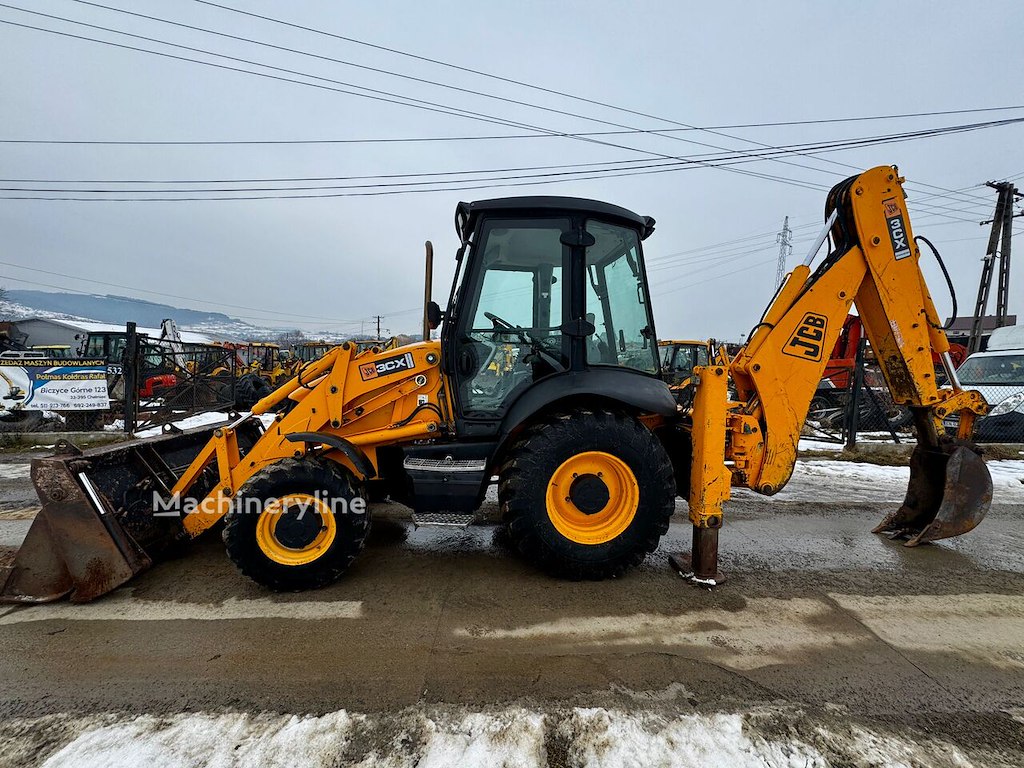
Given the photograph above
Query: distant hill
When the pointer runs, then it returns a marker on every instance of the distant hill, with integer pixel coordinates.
(117, 309)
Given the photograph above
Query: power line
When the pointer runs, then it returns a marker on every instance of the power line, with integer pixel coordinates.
(415, 102)
(656, 167)
(415, 139)
(502, 79)
(722, 255)
(533, 86)
(411, 77)
(384, 97)
(344, 62)
(701, 158)
(685, 286)
(408, 101)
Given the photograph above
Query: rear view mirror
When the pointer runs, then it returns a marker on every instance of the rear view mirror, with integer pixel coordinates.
(434, 315)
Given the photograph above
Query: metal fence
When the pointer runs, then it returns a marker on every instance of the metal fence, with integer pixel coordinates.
(170, 381)
(864, 404)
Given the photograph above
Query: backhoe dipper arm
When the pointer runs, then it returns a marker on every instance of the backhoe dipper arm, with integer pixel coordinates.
(874, 264)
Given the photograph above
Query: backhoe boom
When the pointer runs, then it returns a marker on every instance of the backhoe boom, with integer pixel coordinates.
(874, 265)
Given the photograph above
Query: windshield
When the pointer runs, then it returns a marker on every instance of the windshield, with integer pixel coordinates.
(666, 356)
(997, 369)
(683, 357)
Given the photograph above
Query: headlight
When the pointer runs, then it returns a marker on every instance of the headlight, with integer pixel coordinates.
(1012, 403)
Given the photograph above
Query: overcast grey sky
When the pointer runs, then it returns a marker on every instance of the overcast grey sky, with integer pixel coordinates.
(348, 258)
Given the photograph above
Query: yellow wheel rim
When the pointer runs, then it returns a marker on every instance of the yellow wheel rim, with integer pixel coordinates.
(584, 480)
(288, 546)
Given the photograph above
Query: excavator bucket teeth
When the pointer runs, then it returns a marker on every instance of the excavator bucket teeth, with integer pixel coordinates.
(99, 525)
(950, 493)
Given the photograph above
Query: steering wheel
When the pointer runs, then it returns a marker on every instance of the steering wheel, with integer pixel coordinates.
(537, 345)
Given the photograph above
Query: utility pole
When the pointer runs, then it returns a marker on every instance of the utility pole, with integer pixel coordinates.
(378, 325)
(785, 240)
(1000, 240)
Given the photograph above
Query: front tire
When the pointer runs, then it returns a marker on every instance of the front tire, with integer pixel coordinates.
(587, 496)
(294, 525)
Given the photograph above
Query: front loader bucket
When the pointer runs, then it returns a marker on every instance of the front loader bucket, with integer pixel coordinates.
(950, 492)
(72, 548)
(99, 524)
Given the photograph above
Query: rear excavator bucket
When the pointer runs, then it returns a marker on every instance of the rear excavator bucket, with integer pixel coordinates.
(100, 523)
(950, 492)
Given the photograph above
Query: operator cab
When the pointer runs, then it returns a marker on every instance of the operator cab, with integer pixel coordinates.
(551, 287)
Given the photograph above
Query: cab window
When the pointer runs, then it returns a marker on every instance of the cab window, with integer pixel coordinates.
(616, 300)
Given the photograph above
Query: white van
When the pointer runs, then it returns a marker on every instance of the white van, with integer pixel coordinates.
(999, 375)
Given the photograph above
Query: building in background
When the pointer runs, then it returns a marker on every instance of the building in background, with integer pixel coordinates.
(45, 331)
(960, 331)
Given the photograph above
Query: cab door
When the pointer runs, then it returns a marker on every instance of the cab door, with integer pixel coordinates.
(509, 330)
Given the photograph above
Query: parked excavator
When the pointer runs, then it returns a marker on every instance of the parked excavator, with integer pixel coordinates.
(588, 443)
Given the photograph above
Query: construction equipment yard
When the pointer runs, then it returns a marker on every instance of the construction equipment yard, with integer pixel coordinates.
(438, 648)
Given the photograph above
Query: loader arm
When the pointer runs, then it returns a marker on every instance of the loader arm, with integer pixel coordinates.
(108, 514)
(752, 442)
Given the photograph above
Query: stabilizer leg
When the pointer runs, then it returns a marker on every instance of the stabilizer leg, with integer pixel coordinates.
(710, 478)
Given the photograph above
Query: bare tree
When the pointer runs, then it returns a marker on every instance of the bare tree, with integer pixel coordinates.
(290, 338)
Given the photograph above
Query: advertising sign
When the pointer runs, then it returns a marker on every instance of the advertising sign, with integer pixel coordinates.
(53, 385)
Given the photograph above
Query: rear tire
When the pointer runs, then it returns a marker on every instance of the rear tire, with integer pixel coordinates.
(298, 543)
(587, 496)
(250, 389)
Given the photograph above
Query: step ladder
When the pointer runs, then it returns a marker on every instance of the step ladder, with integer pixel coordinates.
(443, 519)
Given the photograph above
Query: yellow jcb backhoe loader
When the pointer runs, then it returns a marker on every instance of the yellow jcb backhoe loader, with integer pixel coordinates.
(589, 445)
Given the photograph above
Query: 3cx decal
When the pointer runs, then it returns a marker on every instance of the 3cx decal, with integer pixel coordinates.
(387, 366)
(897, 228)
(808, 338)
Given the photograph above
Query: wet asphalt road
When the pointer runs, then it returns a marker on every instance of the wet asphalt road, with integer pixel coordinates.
(818, 614)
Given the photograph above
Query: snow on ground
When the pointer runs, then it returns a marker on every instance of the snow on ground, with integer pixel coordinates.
(812, 444)
(856, 481)
(583, 736)
(199, 420)
(14, 471)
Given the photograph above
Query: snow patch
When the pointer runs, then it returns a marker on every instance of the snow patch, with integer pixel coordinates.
(14, 471)
(199, 420)
(197, 740)
(860, 482)
(506, 740)
(601, 738)
(511, 738)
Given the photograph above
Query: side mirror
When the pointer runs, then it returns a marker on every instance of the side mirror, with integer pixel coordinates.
(434, 315)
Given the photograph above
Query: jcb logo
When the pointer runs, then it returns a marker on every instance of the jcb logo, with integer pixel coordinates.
(808, 338)
(387, 366)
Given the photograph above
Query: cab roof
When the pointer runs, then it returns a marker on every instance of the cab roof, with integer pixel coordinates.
(546, 205)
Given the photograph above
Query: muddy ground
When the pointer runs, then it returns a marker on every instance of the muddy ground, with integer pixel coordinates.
(821, 624)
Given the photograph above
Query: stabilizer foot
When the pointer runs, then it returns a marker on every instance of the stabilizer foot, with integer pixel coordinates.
(682, 563)
(700, 565)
